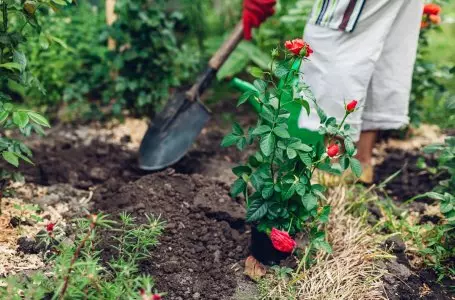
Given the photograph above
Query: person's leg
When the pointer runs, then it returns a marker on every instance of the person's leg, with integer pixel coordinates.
(342, 65)
(389, 90)
(365, 146)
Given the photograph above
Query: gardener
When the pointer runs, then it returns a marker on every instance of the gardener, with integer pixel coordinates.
(364, 50)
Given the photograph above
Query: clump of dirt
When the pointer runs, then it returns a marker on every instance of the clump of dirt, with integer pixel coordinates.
(205, 239)
(412, 180)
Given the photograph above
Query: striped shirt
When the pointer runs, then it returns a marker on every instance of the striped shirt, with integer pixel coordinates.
(337, 14)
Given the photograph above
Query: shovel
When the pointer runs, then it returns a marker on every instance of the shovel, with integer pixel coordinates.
(179, 123)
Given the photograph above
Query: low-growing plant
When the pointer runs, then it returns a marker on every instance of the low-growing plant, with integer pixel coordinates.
(284, 196)
(78, 270)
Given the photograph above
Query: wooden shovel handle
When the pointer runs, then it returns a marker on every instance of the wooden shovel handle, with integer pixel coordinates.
(222, 54)
(217, 60)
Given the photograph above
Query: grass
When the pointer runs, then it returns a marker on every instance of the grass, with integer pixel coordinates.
(352, 271)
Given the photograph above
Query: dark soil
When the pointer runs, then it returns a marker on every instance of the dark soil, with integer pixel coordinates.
(412, 180)
(204, 240)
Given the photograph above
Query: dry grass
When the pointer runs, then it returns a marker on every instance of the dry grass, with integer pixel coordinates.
(350, 272)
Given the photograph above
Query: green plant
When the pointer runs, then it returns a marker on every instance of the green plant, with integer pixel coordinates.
(281, 171)
(431, 100)
(19, 19)
(27, 209)
(148, 58)
(69, 58)
(78, 271)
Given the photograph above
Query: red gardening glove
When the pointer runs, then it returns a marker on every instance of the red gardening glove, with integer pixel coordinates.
(254, 13)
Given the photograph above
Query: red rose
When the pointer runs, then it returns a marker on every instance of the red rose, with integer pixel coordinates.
(296, 45)
(350, 107)
(333, 150)
(282, 241)
(431, 9)
(50, 227)
(156, 297)
(424, 24)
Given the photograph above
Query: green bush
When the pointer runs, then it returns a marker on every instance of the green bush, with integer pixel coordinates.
(69, 57)
(148, 58)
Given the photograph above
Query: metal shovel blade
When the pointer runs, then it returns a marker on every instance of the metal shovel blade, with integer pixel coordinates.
(172, 133)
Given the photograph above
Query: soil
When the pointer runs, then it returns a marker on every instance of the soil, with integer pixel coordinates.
(204, 241)
(412, 180)
(202, 251)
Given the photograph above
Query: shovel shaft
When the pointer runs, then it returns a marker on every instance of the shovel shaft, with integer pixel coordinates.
(215, 63)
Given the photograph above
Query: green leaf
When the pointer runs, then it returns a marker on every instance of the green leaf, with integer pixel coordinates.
(11, 157)
(3, 116)
(238, 187)
(281, 69)
(306, 159)
(256, 210)
(305, 104)
(20, 58)
(20, 118)
(291, 153)
(267, 144)
(246, 96)
(25, 158)
(8, 106)
(230, 140)
(344, 162)
(237, 129)
(261, 129)
(241, 143)
(282, 132)
(324, 214)
(301, 146)
(309, 201)
(11, 66)
(289, 190)
(267, 114)
(240, 170)
(38, 119)
(356, 167)
(256, 72)
(260, 85)
(323, 245)
(349, 146)
(267, 190)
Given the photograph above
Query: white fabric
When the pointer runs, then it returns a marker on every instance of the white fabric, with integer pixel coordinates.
(373, 64)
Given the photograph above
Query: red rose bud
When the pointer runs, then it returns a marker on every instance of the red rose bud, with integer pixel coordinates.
(431, 9)
(156, 297)
(50, 227)
(350, 107)
(435, 19)
(282, 241)
(298, 47)
(333, 150)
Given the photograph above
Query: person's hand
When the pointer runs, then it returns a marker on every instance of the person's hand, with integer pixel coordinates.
(254, 13)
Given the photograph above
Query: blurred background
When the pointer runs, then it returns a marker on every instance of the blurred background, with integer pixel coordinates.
(161, 45)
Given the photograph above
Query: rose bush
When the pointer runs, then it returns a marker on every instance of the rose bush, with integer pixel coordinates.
(284, 200)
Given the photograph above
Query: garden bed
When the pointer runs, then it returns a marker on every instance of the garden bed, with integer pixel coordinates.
(205, 243)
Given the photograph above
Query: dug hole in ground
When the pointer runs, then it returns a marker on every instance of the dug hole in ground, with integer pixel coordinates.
(202, 251)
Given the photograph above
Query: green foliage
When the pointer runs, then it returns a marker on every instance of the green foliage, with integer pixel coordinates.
(435, 243)
(19, 19)
(281, 171)
(77, 270)
(431, 100)
(148, 58)
(69, 58)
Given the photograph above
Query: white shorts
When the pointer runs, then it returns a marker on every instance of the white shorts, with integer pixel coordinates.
(372, 64)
